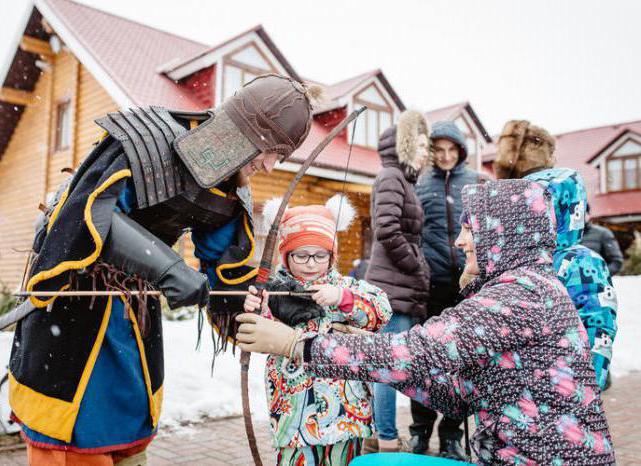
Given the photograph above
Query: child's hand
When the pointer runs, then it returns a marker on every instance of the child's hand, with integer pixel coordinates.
(253, 301)
(327, 295)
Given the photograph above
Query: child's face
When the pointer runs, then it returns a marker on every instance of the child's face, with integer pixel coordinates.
(309, 262)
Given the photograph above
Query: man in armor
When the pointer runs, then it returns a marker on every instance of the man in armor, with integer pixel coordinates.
(86, 373)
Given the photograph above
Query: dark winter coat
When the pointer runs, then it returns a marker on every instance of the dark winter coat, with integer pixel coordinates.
(513, 352)
(397, 265)
(602, 241)
(440, 195)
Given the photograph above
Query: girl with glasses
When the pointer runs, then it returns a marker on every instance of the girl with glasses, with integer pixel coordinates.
(316, 420)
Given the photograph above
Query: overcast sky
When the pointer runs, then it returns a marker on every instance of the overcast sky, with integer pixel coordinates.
(563, 64)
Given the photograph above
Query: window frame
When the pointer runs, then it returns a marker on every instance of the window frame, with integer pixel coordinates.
(624, 184)
(244, 68)
(57, 130)
(389, 109)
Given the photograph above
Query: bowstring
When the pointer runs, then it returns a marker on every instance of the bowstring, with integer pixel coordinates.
(340, 205)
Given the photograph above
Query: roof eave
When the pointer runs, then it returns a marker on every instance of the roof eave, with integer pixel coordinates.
(5, 64)
(83, 55)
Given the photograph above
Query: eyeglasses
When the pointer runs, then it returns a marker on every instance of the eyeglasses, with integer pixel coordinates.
(303, 258)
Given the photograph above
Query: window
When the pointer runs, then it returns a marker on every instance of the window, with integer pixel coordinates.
(241, 66)
(63, 125)
(623, 168)
(375, 120)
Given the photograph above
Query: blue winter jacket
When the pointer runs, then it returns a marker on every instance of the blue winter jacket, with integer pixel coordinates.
(583, 272)
(440, 195)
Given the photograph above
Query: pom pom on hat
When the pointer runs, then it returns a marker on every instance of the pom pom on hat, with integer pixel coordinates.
(270, 209)
(342, 211)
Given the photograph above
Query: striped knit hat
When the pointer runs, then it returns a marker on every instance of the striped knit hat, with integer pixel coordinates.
(312, 225)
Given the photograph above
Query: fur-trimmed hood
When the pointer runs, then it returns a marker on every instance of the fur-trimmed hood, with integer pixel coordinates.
(522, 149)
(398, 144)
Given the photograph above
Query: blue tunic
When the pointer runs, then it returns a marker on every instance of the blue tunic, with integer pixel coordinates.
(114, 411)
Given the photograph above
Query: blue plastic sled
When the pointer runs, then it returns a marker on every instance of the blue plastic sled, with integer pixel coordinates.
(403, 459)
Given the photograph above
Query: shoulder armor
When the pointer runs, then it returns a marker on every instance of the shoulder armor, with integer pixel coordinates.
(146, 135)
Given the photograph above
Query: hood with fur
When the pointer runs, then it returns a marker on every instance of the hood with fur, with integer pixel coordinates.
(522, 149)
(397, 144)
(569, 198)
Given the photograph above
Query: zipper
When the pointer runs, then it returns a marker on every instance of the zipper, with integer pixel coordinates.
(450, 229)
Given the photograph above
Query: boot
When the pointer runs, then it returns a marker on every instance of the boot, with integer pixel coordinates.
(370, 445)
(419, 444)
(452, 449)
(393, 446)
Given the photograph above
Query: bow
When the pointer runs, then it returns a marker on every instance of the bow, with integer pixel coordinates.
(264, 270)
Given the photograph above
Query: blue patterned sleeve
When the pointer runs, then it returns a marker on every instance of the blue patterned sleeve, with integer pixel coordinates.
(587, 279)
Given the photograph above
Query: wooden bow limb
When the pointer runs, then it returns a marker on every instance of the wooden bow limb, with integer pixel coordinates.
(265, 267)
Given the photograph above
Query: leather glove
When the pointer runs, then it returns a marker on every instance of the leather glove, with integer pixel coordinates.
(136, 251)
(183, 286)
(260, 335)
(292, 310)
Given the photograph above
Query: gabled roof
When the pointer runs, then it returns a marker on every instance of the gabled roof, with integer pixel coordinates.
(124, 57)
(363, 161)
(127, 52)
(445, 113)
(343, 88)
(624, 134)
(258, 29)
(452, 111)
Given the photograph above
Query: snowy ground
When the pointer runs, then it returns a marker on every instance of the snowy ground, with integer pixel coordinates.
(191, 392)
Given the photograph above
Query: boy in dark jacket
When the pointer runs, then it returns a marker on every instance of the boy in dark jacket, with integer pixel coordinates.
(440, 194)
(602, 241)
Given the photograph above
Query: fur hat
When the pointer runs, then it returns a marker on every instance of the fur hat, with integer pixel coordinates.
(523, 148)
(312, 225)
(411, 124)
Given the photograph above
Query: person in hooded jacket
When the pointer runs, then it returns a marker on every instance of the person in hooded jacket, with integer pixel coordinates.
(397, 265)
(439, 191)
(513, 352)
(528, 151)
(602, 241)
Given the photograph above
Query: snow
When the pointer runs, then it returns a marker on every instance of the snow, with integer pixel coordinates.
(191, 392)
(625, 357)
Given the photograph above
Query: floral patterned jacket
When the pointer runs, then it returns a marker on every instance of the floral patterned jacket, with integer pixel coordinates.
(308, 410)
(514, 352)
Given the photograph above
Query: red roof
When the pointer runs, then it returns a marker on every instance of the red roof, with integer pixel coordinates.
(130, 53)
(260, 31)
(363, 161)
(445, 113)
(575, 149)
(338, 90)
